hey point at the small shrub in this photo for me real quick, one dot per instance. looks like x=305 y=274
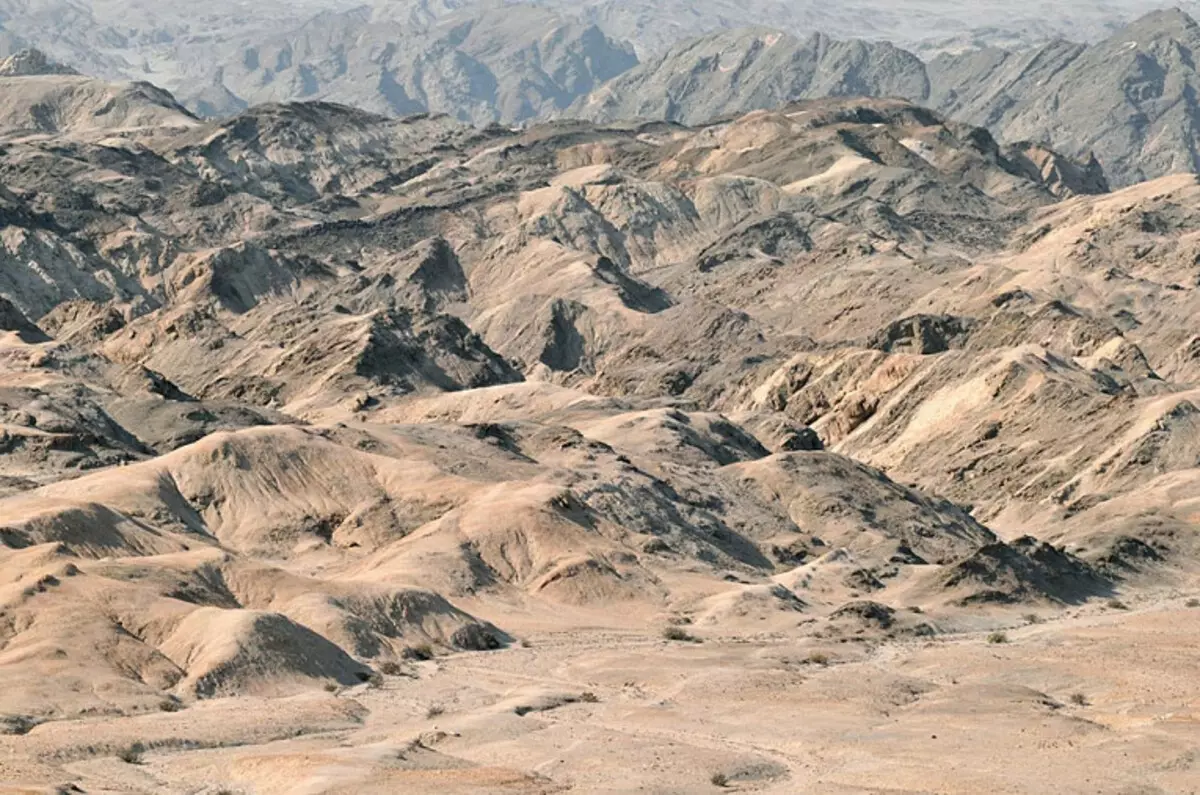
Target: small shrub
x=170 y=705
x=817 y=658
x=475 y=637
x=434 y=711
x=677 y=634
x=588 y=697
x=719 y=780
x=422 y=651
x=133 y=754
x=997 y=637
x=391 y=668
x=1117 y=604
x=1193 y=602
x=1079 y=699
x=331 y=687
x=916 y=609
x=1033 y=618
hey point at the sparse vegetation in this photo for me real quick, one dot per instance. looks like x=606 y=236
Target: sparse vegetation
x=997 y=637
x=434 y=711
x=679 y=635
x=170 y=705
x=817 y=658
x=133 y=754
x=1193 y=602
x=391 y=668
x=1033 y=618
x=916 y=609
x=1079 y=699
x=421 y=651
x=331 y=687
x=1117 y=604
x=719 y=780
x=588 y=697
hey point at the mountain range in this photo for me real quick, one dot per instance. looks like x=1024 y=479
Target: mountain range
x=1126 y=98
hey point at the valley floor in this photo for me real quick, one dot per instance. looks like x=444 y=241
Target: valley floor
x=1099 y=700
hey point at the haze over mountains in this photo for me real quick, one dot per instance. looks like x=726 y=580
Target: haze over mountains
x=729 y=418
x=1075 y=78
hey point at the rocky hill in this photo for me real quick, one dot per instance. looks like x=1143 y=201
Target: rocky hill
x=42 y=96
x=733 y=72
x=1129 y=99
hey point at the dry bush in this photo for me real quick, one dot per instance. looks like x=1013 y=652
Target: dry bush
x=422 y=651
x=677 y=634
x=133 y=754
x=391 y=668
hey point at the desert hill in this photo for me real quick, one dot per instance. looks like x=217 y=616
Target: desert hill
x=358 y=453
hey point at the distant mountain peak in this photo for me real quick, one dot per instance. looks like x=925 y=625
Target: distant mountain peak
x=31 y=63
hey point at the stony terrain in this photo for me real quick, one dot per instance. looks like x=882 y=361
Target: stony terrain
x=834 y=447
